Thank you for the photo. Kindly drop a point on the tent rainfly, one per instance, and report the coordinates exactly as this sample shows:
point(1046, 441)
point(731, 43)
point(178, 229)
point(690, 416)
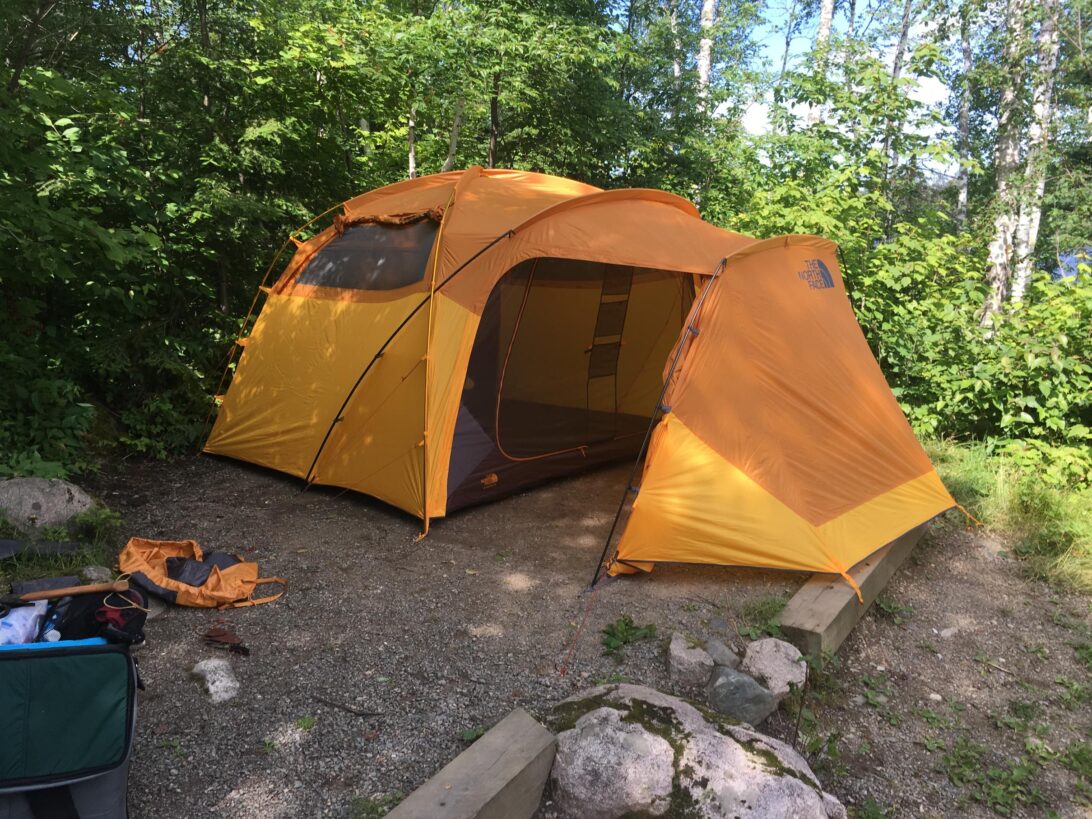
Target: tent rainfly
point(455, 338)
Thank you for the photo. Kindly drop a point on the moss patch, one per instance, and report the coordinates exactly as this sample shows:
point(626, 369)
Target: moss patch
point(773, 764)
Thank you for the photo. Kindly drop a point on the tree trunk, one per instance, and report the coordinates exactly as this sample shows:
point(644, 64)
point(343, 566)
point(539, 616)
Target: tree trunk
point(851, 19)
point(222, 289)
point(1042, 109)
point(411, 141)
point(896, 72)
point(822, 44)
point(494, 121)
point(676, 48)
point(705, 49)
point(1007, 159)
point(203, 27)
point(453, 140)
point(20, 63)
point(964, 114)
point(826, 22)
point(790, 29)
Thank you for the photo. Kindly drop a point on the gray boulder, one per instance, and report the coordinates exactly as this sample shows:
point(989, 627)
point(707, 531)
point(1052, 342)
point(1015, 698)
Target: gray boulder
point(776, 664)
point(689, 667)
point(721, 654)
point(739, 696)
point(629, 749)
point(33, 503)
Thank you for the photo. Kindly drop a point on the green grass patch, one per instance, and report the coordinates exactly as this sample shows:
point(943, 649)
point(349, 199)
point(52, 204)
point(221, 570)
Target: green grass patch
point(98, 529)
point(760, 617)
point(1048, 520)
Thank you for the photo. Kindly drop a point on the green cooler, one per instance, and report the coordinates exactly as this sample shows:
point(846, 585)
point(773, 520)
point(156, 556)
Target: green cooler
point(67, 715)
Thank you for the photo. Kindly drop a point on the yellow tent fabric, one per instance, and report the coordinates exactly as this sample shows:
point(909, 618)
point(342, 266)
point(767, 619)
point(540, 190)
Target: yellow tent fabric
point(457, 337)
point(783, 446)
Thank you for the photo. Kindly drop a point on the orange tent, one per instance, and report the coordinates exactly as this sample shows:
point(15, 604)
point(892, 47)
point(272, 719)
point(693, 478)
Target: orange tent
point(454, 338)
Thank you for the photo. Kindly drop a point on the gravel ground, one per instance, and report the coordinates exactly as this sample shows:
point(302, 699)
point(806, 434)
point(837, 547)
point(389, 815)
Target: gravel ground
point(447, 635)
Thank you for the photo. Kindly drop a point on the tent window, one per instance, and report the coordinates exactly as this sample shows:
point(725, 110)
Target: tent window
point(373, 257)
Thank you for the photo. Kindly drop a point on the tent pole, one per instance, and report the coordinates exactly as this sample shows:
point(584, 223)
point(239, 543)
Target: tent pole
point(436, 248)
point(660, 409)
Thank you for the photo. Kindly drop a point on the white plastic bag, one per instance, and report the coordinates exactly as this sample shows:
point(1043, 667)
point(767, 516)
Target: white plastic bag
point(21, 624)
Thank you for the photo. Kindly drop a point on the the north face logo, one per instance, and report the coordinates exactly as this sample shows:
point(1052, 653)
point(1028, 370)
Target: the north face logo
point(816, 274)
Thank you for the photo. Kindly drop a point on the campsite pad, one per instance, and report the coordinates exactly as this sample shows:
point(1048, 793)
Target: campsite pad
point(450, 634)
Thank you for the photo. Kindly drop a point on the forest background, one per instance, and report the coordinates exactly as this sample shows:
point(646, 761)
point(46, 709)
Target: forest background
point(155, 153)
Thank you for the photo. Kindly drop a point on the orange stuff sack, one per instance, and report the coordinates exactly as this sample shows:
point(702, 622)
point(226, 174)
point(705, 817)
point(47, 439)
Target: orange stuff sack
point(178, 572)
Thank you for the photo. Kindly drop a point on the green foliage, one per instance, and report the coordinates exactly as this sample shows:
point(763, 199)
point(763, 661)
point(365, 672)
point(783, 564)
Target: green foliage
point(895, 612)
point(306, 723)
point(367, 807)
point(471, 735)
point(624, 631)
point(760, 617)
point(155, 155)
point(1003, 788)
point(1051, 525)
point(99, 526)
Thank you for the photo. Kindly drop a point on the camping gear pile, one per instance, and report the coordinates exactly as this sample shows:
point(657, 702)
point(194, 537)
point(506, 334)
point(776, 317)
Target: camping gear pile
point(68, 686)
point(68, 679)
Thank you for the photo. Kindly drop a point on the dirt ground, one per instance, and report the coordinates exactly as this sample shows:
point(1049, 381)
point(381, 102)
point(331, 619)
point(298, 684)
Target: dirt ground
point(968, 672)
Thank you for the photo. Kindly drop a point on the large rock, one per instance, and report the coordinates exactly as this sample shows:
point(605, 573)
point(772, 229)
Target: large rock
point(688, 666)
point(740, 696)
point(607, 766)
point(629, 749)
point(33, 503)
point(776, 664)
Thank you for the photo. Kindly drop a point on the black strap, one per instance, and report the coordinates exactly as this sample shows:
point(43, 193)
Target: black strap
point(52, 803)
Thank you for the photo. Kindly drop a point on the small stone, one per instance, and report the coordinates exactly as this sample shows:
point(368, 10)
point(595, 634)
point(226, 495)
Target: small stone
point(689, 667)
point(948, 633)
point(721, 654)
point(935, 697)
point(776, 664)
point(156, 607)
point(219, 679)
point(739, 696)
point(857, 700)
point(96, 574)
point(718, 624)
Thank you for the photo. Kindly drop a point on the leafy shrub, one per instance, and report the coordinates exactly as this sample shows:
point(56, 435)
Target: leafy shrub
point(624, 631)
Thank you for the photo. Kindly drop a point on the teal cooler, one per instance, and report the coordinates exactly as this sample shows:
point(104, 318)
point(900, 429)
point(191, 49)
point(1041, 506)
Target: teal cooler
point(67, 716)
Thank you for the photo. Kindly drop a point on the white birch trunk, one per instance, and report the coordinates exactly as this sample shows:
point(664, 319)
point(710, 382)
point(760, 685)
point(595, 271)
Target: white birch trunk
point(964, 114)
point(1042, 110)
point(705, 49)
point(1007, 160)
point(673, 21)
point(822, 43)
point(411, 142)
point(826, 21)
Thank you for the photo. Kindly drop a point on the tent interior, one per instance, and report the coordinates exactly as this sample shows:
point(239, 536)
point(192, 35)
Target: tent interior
point(564, 373)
